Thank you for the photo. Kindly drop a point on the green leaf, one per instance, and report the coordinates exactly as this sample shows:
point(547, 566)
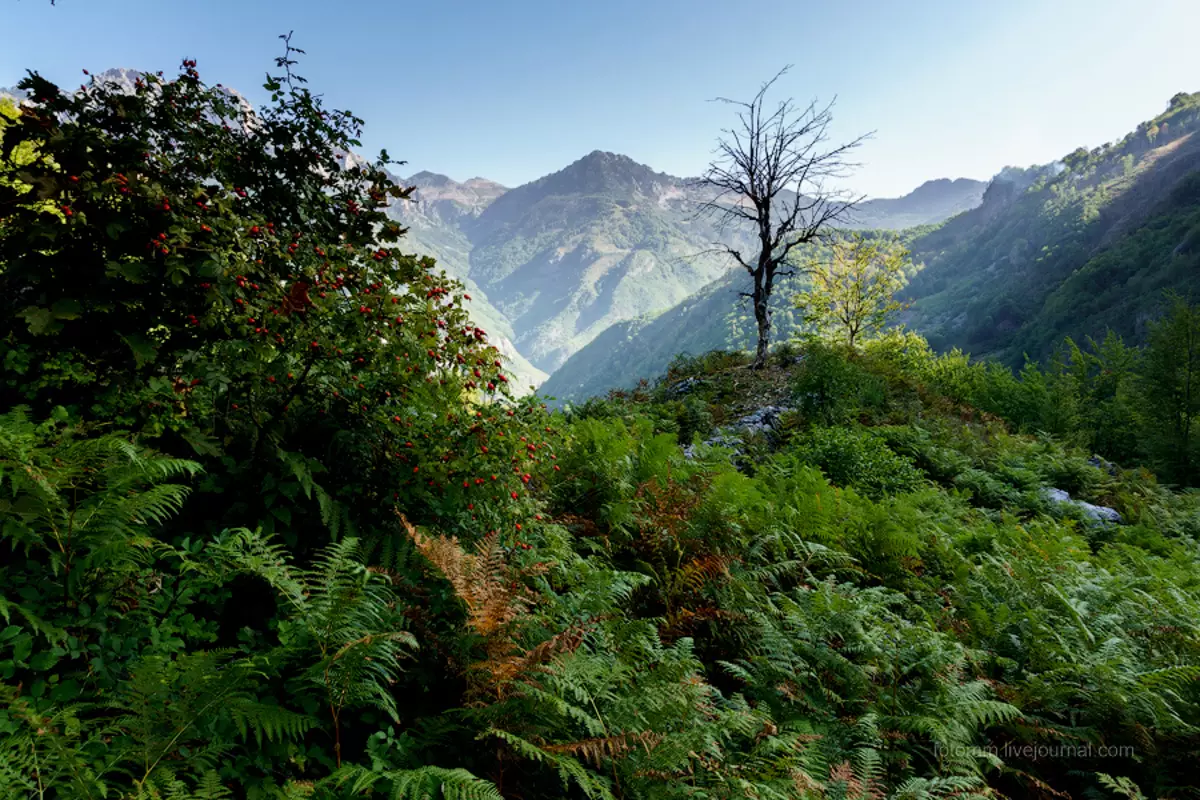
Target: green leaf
point(143, 350)
point(41, 321)
point(201, 442)
point(66, 309)
point(132, 271)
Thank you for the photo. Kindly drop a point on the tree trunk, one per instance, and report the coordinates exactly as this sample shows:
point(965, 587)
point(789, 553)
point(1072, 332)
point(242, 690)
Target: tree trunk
point(762, 316)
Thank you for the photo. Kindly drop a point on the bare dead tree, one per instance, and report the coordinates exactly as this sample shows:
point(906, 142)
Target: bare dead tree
point(773, 171)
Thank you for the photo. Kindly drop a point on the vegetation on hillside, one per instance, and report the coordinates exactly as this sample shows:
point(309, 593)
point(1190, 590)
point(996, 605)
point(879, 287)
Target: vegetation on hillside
point(273, 527)
point(901, 491)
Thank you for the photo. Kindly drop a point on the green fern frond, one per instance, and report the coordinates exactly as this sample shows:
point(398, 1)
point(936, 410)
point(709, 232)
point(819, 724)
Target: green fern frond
point(568, 769)
point(422, 783)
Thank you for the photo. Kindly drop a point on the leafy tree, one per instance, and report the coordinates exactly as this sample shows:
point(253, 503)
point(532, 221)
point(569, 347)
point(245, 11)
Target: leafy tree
point(1171, 386)
point(1100, 385)
point(852, 292)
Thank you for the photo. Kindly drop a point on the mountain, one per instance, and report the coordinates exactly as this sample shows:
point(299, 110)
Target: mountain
point(601, 241)
point(1076, 247)
point(930, 203)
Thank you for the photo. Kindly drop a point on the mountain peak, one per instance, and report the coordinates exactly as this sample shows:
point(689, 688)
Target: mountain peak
point(426, 178)
point(940, 187)
point(603, 172)
point(605, 157)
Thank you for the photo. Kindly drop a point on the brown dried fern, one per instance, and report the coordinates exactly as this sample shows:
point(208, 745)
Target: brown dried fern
point(496, 598)
point(613, 747)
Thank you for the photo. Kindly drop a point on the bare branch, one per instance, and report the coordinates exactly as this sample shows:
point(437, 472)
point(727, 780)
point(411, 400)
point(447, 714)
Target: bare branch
point(774, 171)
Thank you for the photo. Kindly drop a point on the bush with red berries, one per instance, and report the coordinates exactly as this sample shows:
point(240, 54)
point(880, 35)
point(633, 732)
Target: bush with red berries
point(227, 284)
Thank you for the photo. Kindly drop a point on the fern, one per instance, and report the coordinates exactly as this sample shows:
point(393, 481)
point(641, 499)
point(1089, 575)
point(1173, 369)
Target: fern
point(423, 783)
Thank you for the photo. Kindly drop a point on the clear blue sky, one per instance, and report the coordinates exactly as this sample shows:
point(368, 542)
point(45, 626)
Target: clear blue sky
point(514, 89)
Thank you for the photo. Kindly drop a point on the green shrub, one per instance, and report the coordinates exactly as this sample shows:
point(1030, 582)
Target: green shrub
point(694, 419)
point(832, 387)
point(858, 458)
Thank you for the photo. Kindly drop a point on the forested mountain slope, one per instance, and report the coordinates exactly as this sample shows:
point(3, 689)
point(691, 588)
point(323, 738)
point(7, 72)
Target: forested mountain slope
point(1073, 248)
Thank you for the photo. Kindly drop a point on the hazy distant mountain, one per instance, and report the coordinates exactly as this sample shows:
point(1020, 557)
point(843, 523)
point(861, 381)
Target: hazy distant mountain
point(931, 202)
point(451, 202)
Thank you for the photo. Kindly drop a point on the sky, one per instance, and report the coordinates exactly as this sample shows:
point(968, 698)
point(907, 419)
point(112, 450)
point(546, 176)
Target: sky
point(512, 90)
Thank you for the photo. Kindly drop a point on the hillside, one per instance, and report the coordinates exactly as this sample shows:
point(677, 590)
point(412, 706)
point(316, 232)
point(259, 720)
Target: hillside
point(1073, 248)
point(714, 318)
point(274, 525)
